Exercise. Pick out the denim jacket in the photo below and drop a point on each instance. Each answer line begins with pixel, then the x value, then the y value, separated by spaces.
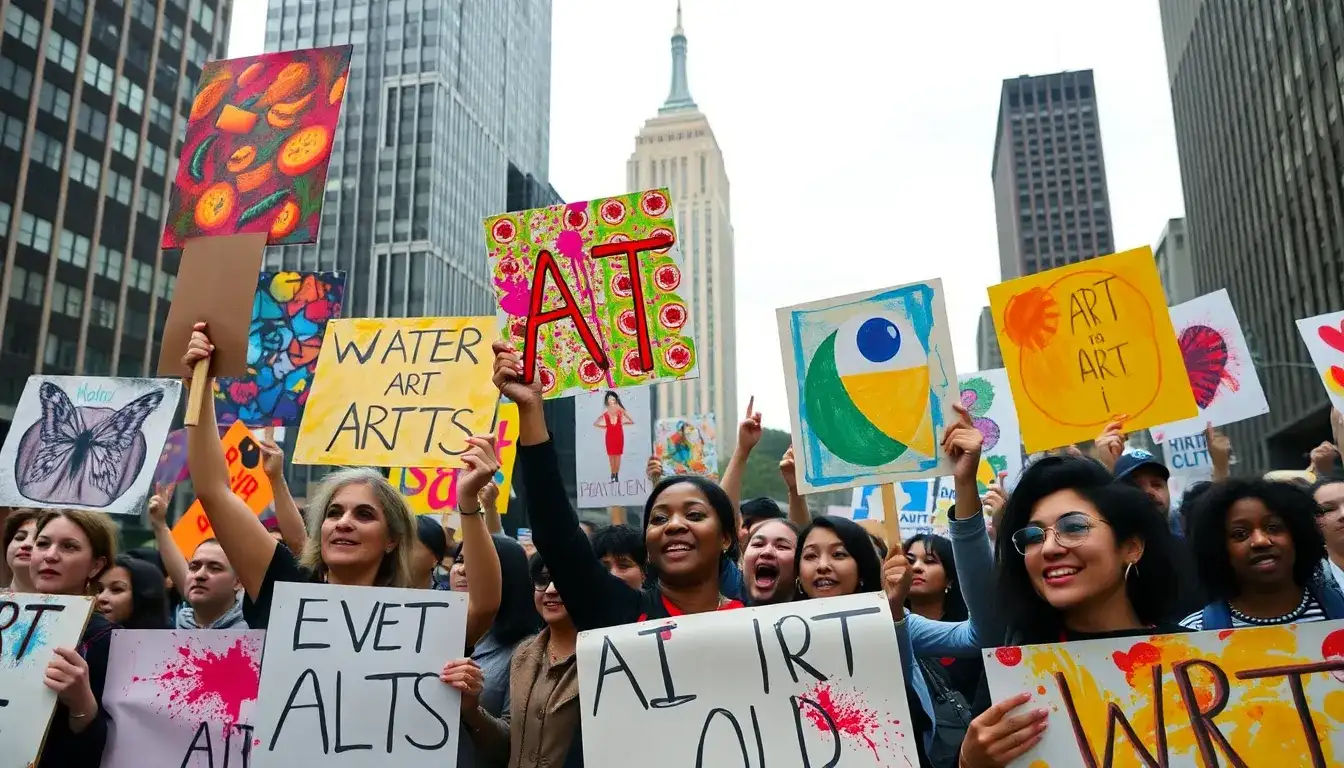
pixel 919 636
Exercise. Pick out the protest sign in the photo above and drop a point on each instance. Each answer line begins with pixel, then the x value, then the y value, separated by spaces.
pixel 1324 337
pixel 289 317
pixel 1088 343
pixel 257 142
pixel 811 683
pixel 181 698
pixel 871 383
pixel 172 466
pixel 989 399
pixel 247 478
pixel 31 628
pixel 687 445
pixel 433 491
pixel 1218 364
pixel 613 441
pixel 612 268
pixel 352 674
pixel 1261 696
pixel 1189 457
pixel 399 392
pixel 915 501
pixel 86 443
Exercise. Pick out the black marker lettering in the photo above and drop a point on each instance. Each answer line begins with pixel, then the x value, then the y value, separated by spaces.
pixel 246 751
pixel 424 610
pixel 208 748
pixel 419 335
pixel 1201 720
pixel 1294 673
pixel 467 340
pixel 358 642
pixel 704 731
pixel 434 412
pixel 420 697
pixel 1106 283
pixel 38 610
pixel 298 625
pixel 672 699
pixel 291 706
pixel 760 654
pixel 792 657
pixel 383 622
pixel 844 617
pixel 797 702
pixel 370 425
pixel 620 667
pixel 348 347
pixel 339 746
pixel 398 345
pixel 351 414
pixel 460 413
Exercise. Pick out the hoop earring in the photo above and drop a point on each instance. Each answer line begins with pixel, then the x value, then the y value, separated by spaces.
pixel 1129 567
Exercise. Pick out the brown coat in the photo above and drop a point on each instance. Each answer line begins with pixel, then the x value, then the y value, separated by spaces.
pixel 540 726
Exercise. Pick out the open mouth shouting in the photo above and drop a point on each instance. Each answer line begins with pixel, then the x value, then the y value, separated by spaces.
pixel 766 577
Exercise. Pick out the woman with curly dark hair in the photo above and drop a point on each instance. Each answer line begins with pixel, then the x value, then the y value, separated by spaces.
pixel 1259 554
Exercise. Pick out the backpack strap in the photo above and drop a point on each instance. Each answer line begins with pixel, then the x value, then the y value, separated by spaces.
pixel 1217 616
pixel 1328 594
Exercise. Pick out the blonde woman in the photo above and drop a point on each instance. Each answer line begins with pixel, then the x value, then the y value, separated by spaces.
pixel 360 531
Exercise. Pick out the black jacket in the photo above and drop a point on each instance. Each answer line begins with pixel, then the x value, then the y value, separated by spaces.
pixel 65 749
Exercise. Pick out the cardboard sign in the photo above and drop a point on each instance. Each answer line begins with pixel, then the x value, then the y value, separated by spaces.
pixel 215 286
pixel 989 398
pixel 687 445
pixel 1265 696
pixel 247 478
pixel 591 293
pixel 1086 343
pixel 914 503
pixel 809 683
pixel 289 317
pixel 86 443
pixel 1189 457
pixel 1218 363
pixel 871 383
pixel 352 674
pixel 181 698
pixel 433 491
pixel 613 442
pixel 257 144
pixel 32 627
pixel 1324 337
pixel 397 392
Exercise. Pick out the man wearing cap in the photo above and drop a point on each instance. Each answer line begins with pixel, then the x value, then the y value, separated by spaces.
pixel 1141 469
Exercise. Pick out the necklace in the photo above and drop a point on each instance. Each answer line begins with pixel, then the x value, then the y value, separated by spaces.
pixel 1286 618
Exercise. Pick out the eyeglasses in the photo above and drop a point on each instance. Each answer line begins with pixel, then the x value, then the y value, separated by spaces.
pixel 1070 530
pixel 541 584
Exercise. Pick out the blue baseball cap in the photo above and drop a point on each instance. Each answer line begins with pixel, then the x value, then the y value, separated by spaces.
pixel 1131 462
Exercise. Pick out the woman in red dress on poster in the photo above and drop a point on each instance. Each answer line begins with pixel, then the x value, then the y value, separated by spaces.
pixel 613 419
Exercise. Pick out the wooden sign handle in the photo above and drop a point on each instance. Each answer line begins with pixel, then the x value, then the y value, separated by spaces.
pixel 617 515
pixel 891 518
pixel 200 377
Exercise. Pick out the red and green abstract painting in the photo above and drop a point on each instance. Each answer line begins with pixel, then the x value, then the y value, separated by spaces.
pixel 289 318
pixel 258 141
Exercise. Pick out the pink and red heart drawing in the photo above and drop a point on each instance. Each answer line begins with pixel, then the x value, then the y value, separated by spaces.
pixel 1334 338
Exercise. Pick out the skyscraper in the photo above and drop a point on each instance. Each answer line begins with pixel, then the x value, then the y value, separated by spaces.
pixel 1172 253
pixel 446 102
pixel 1257 91
pixel 1050 195
pixel 677 149
pixel 94 100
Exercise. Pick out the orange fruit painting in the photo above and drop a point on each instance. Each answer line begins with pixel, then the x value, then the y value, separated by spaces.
pixel 257 146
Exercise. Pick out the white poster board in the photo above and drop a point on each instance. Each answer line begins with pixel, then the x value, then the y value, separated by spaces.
pixel 1324 337
pixel 182 699
pixel 32 627
pixel 1218 364
pixel 86 443
pixel 613 440
pixel 351 677
pixel 915 501
pixel 745 687
pixel 1269 695
pixel 989 398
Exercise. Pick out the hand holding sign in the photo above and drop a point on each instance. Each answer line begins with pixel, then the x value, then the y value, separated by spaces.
pixel 482 464
pixel 68 676
pixel 509 377
pixel 897 576
pixel 466 677
pixel 994 740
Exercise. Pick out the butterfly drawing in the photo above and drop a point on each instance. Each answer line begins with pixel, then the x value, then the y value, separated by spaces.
pixel 1206 358
pixel 88 456
pixel 977 397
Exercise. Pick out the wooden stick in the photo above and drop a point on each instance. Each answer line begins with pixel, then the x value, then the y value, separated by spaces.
pixel 200 377
pixel 891 518
pixel 268 434
pixel 617 515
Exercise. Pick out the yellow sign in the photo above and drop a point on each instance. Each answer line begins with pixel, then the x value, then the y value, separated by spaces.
pixel 396 392
pixel 247 478
pixel 1089 343
pixel 433 491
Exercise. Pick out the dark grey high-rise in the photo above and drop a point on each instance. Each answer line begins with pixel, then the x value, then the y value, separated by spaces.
pixel 1257 91
pixel 1050 196
pixel 94 98
pixel 445 97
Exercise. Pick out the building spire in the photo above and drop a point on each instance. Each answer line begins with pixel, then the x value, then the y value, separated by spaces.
pixel 679 97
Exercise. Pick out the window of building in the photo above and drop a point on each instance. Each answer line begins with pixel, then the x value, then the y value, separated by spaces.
pixel 60 354
pixel 74 249
pixel 46 150
pixel 92 121
pixel 67 299
pixel 151 203
pixel 107 263
pixel 54 100
pixel 125 140
pixel 62 52
pixel 15 78
pixel 131 96
pixel 84 169
pixel 118 187
pixel 97 362
pixel 13 132
pixel 27 29
pixel 103 312
pixel 98 74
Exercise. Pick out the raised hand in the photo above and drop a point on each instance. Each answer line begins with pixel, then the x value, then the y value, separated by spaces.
pixel 789 470
pixel 465 676
pixel 482 464
pixel 198 348
pixel 1111 443
pixel 962 443
pixel 897 575
pixel 654 470
pixel 749 429
pixel 994 739
pixel 508 376
pixel 158 504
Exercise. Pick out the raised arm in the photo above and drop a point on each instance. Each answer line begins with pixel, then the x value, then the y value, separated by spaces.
pixel 484 580
pixel 799 514
pixel 598 599
pixel 963 443
pixel 287 514
pixel 240 532
pixel 174 562
pixel 748 435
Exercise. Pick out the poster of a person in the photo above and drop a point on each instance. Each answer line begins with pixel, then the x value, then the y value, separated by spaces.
pixel 613 441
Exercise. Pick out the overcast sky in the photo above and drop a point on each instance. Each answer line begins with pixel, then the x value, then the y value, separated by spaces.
pixel 857 134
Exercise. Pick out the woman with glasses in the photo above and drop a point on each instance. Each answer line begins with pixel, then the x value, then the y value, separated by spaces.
pixel 541 725
pixel 1079 557
pixel 1259 553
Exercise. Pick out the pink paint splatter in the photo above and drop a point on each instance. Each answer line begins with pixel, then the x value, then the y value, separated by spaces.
pixel 201 685
pixel 852 716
